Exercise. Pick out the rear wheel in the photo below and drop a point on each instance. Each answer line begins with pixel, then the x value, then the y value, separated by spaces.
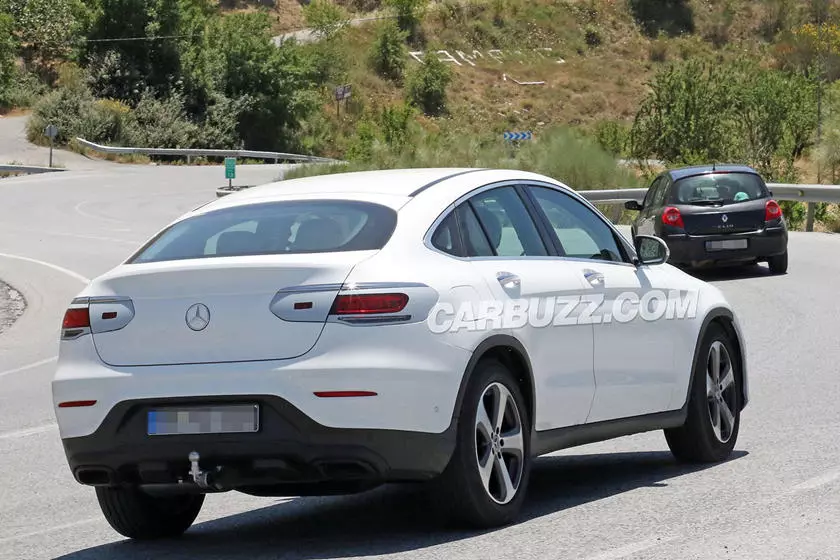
pixel 485 482
pixel 137 515
pixel 779 263
pixel 714 407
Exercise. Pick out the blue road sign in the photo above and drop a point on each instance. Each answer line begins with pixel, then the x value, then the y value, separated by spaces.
pixel 518 135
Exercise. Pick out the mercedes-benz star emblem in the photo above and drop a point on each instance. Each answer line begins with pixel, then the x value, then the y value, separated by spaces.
pixel 198 317
pixel 724 218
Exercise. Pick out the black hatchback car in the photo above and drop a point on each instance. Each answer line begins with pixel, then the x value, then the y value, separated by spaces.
pixel 714 214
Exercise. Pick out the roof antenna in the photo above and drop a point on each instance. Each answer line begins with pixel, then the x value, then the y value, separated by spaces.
pixel 713 166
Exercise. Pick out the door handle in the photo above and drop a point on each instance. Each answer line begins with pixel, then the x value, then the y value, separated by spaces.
pixel 508 279
pixel 594 277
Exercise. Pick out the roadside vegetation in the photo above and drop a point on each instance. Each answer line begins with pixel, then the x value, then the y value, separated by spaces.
pixel 682 81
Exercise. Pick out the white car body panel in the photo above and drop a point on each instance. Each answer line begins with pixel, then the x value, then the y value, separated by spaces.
pixel 582 373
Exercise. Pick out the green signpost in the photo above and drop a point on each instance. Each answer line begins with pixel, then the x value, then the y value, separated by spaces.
pixel 230 170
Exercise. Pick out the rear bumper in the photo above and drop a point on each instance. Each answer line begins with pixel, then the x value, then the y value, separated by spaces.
pixel 289 450
pixel 688 249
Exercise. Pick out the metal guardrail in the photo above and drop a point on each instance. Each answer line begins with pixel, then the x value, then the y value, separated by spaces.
pixel 781 191
pixel 190 153
pixel 26 169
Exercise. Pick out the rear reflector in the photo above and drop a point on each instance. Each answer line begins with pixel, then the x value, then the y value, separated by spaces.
pixel 368 304
pixel 303 305
pixel 772 211
pixel 76 404
pixel 76 318
pixel 331 394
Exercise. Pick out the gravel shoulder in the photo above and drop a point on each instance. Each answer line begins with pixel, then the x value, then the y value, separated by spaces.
pixel 12 305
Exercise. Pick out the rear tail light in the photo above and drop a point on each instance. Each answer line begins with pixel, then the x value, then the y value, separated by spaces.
pixel 671 217
pixel 368 304
pixel 772 211
pixel 76 318
pixel 97 315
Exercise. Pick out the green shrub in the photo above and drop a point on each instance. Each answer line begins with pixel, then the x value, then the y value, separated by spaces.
pixel 409 13
pixel 388 54
pixel 592 35
pixel 160 123
pixel 325 17
pixel 7 59
pixel 427 85
pixel 612 137
pixel 395 122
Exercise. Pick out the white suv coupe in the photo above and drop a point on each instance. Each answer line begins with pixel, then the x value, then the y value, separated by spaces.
pixel 330 334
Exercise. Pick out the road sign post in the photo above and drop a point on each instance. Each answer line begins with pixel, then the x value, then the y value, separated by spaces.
pixel 230 170
pixel 51 131
pixel 342 93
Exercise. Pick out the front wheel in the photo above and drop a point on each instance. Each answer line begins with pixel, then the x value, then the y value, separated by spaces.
pixel 714 407
pixel 137 515
pixel 485 482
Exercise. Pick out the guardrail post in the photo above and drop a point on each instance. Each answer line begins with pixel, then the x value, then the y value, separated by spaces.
pixel 809 221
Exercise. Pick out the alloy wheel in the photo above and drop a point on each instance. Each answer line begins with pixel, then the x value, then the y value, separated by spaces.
pixel 721 391
pixel 499 443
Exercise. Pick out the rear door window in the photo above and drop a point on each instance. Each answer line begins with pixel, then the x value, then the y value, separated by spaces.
pixel 274 228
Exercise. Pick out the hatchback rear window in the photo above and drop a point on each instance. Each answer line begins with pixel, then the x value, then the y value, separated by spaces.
pixel 291 227
pixel 719 188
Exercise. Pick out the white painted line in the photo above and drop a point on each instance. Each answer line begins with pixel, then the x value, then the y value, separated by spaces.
pixel 817 481
pixel 79 211
pixel 28 366
pixel 66 271
pixel 50 530
pixel 632 548
pixel 28 432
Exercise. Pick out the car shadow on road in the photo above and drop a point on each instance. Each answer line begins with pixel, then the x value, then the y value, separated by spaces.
pixel 732 272
pixel 394 519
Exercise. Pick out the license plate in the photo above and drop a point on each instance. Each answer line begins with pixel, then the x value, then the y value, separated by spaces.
pixel 726 244
pixel 203 420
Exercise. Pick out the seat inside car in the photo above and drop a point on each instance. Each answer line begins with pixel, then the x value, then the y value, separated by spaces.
pixel 318 234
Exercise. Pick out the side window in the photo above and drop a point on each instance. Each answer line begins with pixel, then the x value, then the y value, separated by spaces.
pixel 507 224
pixel 445 237
pixel 475 240
pixel 650 194
pixel 662 191
pixel 581 233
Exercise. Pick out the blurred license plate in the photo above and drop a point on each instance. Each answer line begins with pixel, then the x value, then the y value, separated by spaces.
pixel 203 420
pixel 727 244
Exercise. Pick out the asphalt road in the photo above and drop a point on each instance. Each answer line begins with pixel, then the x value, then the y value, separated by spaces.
pixel 778 498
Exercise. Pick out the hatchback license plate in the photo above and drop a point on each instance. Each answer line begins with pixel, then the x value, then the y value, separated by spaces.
pixel 203 420
pixel 727 244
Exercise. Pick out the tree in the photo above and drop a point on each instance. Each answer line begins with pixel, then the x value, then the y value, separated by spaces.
pixel 325 17
pixel 8 48
pixel 427 85
pixel 389 53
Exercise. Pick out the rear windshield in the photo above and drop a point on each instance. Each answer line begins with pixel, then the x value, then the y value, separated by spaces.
pixel 720 188
pixel 293 227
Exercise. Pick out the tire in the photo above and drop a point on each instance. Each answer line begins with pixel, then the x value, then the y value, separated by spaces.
pixel 137 515
pixel 461 493
pixel 779 263
pixel 707 436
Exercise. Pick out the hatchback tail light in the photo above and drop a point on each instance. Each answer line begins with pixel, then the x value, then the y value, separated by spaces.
pixel 772 211
pixel 671 217
pixel 368 304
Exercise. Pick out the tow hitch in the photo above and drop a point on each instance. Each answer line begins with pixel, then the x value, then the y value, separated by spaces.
pixel 206 480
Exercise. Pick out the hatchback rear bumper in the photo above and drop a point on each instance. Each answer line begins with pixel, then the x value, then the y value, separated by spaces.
pixel 290 452
pixel 761 244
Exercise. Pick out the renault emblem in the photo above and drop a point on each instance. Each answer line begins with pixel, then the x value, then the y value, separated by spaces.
pixel 198 317
pixel 724 218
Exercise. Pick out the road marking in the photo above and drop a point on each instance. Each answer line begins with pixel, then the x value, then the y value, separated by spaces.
pixel 66 271
pixel 28 432
pixel 28 366
pixel 50 530
pixel 817 481
pixel 79 211
pixel 632 548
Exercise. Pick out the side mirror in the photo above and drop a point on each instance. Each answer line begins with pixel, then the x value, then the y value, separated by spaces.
pixel 632 205
pixel 651 250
